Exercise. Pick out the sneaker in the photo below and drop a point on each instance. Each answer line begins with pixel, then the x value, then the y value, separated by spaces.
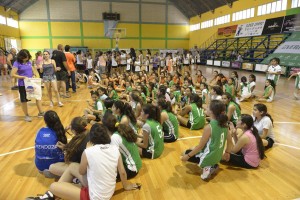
pixel 51 104
pixel 28 118
pixel 60 104
pixel 209 171
pixel 41 114
pixel 47 196
pixel 14 88
pixel 76 181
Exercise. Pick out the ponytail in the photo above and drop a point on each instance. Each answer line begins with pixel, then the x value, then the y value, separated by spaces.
pixel 218 109
pixel 127 132
pixel 127 110
pixel 222 120
pixel 259 143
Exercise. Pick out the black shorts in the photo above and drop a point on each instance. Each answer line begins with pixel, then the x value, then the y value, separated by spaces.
pixel 80 67
pixel 22 92
pixel 189 125
pixel 192 159
pixel 146 154
pixel 114 67
pixel 61 76
pixel 270 143
pixel 130 174
pixel 168 138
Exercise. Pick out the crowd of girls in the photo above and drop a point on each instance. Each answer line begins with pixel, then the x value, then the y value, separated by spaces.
pixel 137 113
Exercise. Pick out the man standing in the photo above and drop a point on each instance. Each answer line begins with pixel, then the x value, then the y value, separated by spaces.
pixel 70 61
pixel 62 69
pixel 11 58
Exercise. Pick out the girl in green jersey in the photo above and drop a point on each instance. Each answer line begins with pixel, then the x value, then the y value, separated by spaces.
pixel 168 121
pixel 297 84
pixel 152 144
pixel 196 118
pixel 269 92
pixel 233 110
pixel 209 151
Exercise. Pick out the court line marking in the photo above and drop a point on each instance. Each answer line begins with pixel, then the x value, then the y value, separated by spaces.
pixel 286 122
pixel 185 138
pixel 13 101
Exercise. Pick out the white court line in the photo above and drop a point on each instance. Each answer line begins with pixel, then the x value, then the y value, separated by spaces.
pixel 9 102
pixel 285 145
pixel 8 153
pixel 186 138
pixel 286 122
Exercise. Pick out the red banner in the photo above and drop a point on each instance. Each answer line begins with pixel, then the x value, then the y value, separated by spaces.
pixel 228 31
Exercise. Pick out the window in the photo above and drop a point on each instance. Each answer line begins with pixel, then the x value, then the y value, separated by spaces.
pixel 244 14
pixel 2 20
pixel 13 23
pixel 194 27
pixel 222 20
pixel 295 3
pixel 207 24
pixel 273 7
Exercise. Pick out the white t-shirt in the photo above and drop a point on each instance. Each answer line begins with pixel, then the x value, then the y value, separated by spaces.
pixel 265 123
pixel 102 170
pixel 99 105
pixel 89 63
pixel 274 77
pixel 252 84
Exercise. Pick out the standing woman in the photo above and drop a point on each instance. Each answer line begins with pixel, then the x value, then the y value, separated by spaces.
pixel 168 120
pixel 248 149
pixel 152 144
pixel 48 69
pixel 264 124
pixel 22 69
pixel 233 110
pixel 133 56
pixel 196 118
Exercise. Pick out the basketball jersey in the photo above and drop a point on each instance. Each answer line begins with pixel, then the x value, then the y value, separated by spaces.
pixel 204 91
pixel 115 95
pixel 177 95
pixel 196 117
pixel 212 152
pixel 229 88
pixel 129 152
pixel 129 60
pixel 156 139
pixel 236 114
pixel 267 90
pixel 274 77
pixel 245 89
pixel 123 59
pixel 170 126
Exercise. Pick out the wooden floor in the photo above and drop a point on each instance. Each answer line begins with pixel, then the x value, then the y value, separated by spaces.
pixel 278 176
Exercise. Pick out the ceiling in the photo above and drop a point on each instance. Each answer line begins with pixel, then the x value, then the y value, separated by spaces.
pixel 189 8
pixel 17 5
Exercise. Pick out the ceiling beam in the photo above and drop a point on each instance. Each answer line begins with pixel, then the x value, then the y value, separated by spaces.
pixel 229 3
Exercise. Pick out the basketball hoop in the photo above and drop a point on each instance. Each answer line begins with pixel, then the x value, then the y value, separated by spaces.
pixel 117 34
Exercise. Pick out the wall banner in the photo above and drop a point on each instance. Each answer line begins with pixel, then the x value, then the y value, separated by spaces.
pixel 250 29
pixel 273 26
pixel 228 31
pixel 291 22
pixel 291 47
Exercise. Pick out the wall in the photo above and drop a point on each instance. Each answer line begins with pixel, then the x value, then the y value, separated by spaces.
pixel 7 31
pixel 149 24
pixel 200 36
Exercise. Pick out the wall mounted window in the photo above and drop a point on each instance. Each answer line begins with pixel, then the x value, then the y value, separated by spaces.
pixel 194 27
pixel 207 24
pixel 2 20
pixel 244 14
pixel 222 20
pixel 272 7
pixel 295 3
pixel 13 23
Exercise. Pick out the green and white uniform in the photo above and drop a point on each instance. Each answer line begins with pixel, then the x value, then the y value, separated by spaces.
pixel 177 95
pixel 128 89
pixel 170 126
pixel 212 153
pixel 229 89
pixel 99 105
pixel 196 117
pixel 267 90
pixel 297 81
pixel 115 95
pixel 203 92
pixel 274 77
pixel 144 98
pixel 133 126
pixel 236 114
pixel 156 138
pixel 129 151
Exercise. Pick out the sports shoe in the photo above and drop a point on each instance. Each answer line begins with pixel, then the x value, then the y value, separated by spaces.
pixel 51 104
pixel 60 104
pixel 41 114
pixel 209 171
pixel 28 118
pixel 47 196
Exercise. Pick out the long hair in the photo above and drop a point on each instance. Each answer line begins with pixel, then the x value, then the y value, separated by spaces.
pixel 253 77
pixel 152 111
pixel 53 122
pixel 194 98
pixel 217 89
pixel 78 124
pixel 244 80
pixel 229 96
pixel 99 135
pixel 218 109
pixel 263 108
pixel 23 54
pixel 165 105
pixel 248 120
pixel 125 109
pixel 272 83
pixel 135 95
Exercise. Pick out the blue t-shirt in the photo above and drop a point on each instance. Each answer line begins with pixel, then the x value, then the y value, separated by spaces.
pixel 46 151
pixel 24 69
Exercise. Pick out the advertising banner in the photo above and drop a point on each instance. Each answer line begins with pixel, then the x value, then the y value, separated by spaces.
pixel 217 63
pixel 228 31
pixel 236 65
pixel 209 62
pixel 290 47
pixel 248 66
pixel 225 64
pixel 291 22
pixel 273 26
pixel 250 29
